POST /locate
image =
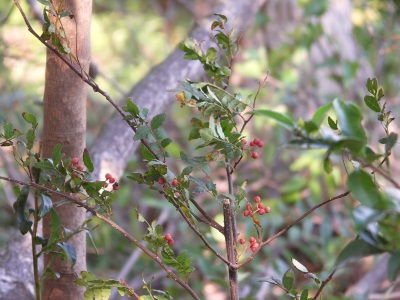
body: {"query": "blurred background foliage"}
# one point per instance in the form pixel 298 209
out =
pixel 130 37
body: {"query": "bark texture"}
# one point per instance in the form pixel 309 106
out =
pixel 65 123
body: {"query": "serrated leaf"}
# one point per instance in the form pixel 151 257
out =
pixel 142 132
pixel 299 266
pixel 87 160
pixel 357 249
pixel 24 224
pixel 45 206
pixel 372 103
pixel 393 268
pixel 365 190
pixel 281 118
pixel 288 279
pixel 158 120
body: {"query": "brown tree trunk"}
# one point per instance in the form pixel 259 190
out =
pixel 65 123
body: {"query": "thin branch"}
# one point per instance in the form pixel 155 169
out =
pixel 210 220
pixel 83 76
pixel 324 283
pixel 107 220
pixel 298 220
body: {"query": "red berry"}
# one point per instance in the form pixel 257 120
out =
pixel 254 247
pixel 161 180
pixel 254 155
pixel 244 147
pixel 75 161
pixel 242 241
pixel 174 182
pixel 168 237
pixel 111 180
pixel 260 205
pixel 261 211
pixel 267 209
pixel 247 213
pixel 252 240
pixel 115 186
pixel 260 144
pixel 244 142
pixel 80 168
pixel 252 144
pixel 177 195
pixel 248 206
pixel 108 176
pixel 257 199
pixel 256 141
pixel 171 242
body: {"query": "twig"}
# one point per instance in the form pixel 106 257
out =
pixel 298 220
pixel 129 288
pixel 324 283
pixel 210 220
pixel 107 220
pixel 83 76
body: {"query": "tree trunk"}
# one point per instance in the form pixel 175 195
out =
pixel 65 123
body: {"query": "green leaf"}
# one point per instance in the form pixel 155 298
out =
pixel 24 224
pixel 165 142
pixel 372 103
pixel 222 17
pixel 45 3
pixel 332 124
pixel 393 268
pixel 31 119
pixel 45 165
pixel 320 113
pixel 299 266
pixel 87 161
pixel 363 215
pixel 55 224
pixel 206 134
pixel 304 295
pixel 349 119
pixel 30 138
pixel 56 155
pixel 310 126
pixel 131 107
pixel 281 118
pixel 158 120
pixel 45 206
pixel 142 132
pixel 390 142
pixel 69 251
pixel 372 86
pixel 288 279
pixel 364 189
pixel 357 249
pixel 211 54
pixel 8 130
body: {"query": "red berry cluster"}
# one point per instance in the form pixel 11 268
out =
pixel 258 208
pixel 253 244
pixel 255 142
pixel 111 180
pixel 174 183
pixel 75 164
pixel 169 239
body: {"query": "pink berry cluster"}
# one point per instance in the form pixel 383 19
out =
pixel 258 208
pixel 111 180
pixel 255 142
pixel 253 243
pixel 169 239
pixel 75 164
